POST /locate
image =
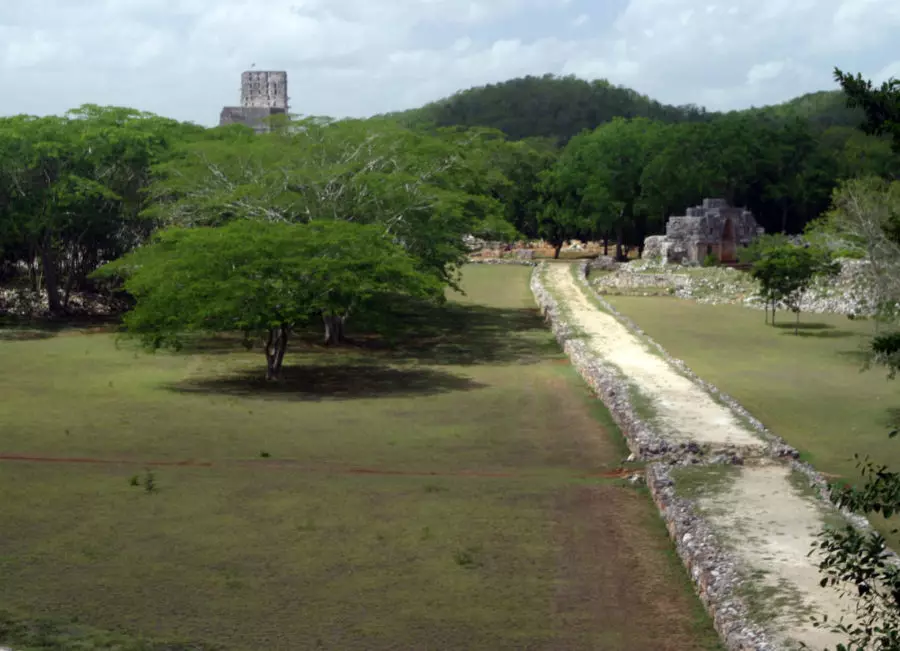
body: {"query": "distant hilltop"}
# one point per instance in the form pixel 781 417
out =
pixel 263 93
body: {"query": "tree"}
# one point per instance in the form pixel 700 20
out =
pixel 880 105
pixel 516 180
pixel 785 273
pixel 72 189
pixel 426 191
pixel 860 564
pixel 864 221
pixel 263 280
pixel 789 148
pixel 866 217
pixel 598 177
pixel 557 108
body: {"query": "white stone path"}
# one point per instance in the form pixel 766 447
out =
pixel 768 522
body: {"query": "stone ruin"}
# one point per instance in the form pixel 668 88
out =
pixel 713 228
pixel 263 94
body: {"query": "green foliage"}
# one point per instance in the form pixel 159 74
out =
pixel 866 214
pixel 886 352
pixel 864 222
pixel 785 273
pixel 72 188
pixel 597 179
pixel 711 260
pixel 262 279
pixel 823 110
pixel 754 251
pixel 557 108
pixel 880 105
pixel 425 191
pixel 860 564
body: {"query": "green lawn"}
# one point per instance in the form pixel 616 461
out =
pixel 809 389
pixel 436 491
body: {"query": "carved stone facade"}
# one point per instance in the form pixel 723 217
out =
pixel 713 228
pixel 263 94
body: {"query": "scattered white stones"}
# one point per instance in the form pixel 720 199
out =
pixel 845 294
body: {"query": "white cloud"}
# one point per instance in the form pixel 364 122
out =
pixel 890 71
pixel 357 57
pixel 762 72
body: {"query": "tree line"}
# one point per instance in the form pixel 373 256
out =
pixel 88 188
pixel 623 179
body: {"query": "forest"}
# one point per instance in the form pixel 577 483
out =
pixel 550 158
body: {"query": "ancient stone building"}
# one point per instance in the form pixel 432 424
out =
pixel 713 228
pixel 263 94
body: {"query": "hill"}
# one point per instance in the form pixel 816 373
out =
pixel 560 107
pixel 824 109
pixel 545 107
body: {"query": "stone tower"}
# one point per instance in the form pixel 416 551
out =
pixel 263 94
pixel 264 90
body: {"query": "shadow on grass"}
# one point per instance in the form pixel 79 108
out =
pixel 861 356
pixel 819 330
pixel 462 335
pixel 410 332
pixel 341 382
pixel 13 334
pixel 29 329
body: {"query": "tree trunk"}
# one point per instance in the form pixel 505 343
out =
pixel 334 329
pixel 784 217
pixel 773 311
pixel 767 311
pixel 619 241
pixel 556 251
pixel 51 284
pixel 276 345
pixel 606 243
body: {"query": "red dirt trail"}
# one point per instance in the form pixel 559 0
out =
pixel 619 473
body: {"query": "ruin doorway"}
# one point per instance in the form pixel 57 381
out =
pixel 728 250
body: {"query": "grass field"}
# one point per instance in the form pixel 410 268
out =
pixel 441 491
pixel 809 389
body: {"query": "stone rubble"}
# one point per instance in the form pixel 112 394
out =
pixel 28 303
pixel 845 294
pixel 712 568
pixel 777 448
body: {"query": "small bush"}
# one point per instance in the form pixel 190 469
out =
pixel 467 557
pixel 150 483
pixel 711 260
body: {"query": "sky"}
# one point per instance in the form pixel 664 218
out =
pixel 183 58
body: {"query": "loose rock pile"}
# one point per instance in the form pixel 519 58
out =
pixel 845 294
pixel 28 303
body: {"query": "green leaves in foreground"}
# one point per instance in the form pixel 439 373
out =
pixel 861 566
pixel 262 279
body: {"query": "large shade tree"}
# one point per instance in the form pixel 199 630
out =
pixel 425 191
pixel 263 280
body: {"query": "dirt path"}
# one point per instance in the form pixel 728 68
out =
pixel 768 521
pixel 684 411
pixel 771 524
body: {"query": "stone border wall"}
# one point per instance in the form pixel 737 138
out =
pixel 776 448
pixel 712 567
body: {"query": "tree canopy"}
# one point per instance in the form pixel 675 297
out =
pixel 262 279
pixel 550 106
